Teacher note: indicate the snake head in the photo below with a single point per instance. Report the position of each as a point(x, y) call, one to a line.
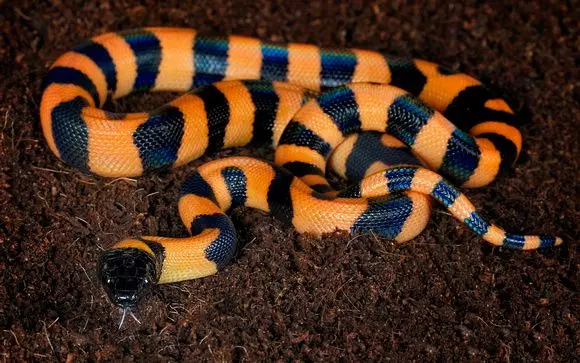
point(127, 274)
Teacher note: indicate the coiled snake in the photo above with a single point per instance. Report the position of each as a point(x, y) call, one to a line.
point(247, 91)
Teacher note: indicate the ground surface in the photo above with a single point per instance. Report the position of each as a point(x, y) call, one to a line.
point(444, 296)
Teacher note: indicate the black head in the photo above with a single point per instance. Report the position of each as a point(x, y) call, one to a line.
point(127, 274)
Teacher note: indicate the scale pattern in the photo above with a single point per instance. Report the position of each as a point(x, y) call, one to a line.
point(391, 126)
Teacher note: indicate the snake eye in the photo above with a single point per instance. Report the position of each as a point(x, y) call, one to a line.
point(127, 274)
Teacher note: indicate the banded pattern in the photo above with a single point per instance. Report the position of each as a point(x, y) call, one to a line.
point(393, 203)
point(241, 91)
point(322, 124)
point(173, 59)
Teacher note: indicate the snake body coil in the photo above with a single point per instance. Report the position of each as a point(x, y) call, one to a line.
point(248, 91)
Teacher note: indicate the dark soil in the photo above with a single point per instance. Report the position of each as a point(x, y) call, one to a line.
point(444, 296)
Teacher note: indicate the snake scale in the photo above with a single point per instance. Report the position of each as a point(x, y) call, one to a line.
point(393, 127)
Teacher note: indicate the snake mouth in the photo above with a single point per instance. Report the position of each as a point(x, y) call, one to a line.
point(127, 275)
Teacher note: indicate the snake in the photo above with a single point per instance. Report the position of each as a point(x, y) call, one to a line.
point(402, 131)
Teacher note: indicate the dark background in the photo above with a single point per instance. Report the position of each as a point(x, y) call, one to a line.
point(446, 295)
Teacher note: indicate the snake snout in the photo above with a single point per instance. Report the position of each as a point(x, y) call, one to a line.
point(127, 274)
